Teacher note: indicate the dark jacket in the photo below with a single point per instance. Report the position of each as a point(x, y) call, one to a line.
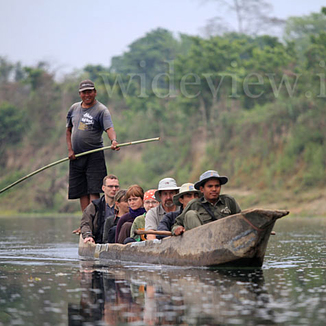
point(92, 222)
point(167, 222)
point(124, 218)
point(110, 226)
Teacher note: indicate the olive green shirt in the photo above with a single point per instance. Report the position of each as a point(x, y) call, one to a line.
point(225, 206)
point(138, 224)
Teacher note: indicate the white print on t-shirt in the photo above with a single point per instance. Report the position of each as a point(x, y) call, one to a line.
point(87, 119)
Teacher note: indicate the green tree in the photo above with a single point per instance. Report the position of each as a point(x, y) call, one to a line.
point(11, 125)
point(300, 29)
point(95, 71)
point(150, 56)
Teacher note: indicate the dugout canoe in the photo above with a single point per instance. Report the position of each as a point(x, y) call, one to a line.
point(238, 240)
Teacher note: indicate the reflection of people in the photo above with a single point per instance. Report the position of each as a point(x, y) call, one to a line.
point(167, 188)
point(152, 297)
point(86, 121)
point(150, 307)
point(92, 301)
point(95, 214)
point(212, 206)
point(187, 192)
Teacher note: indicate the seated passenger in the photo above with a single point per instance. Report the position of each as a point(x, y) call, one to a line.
point(187, 192)
point(121, 208)
point(167, 188)
point(135, 196)
point(95, 214)
point(139, 222)
point(150, 200)
point(211, 207)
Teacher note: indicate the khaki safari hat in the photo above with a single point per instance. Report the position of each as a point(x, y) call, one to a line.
point(86, 85)
point(185, 188)
point(165, 184)
point(209, 175)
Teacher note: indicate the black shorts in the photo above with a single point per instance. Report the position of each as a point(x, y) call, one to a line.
point(86, 175)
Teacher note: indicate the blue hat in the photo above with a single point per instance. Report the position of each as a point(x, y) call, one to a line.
point(210, 174)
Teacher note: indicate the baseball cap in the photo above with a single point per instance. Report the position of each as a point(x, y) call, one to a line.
point(85, 85)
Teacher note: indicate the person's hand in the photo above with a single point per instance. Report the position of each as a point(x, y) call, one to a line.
point(71, 154)
point(77, 231)
point(179, 230)
point(114, 145)
point(89, 239)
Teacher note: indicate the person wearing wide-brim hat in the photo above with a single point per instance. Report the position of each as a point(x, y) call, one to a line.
point(210, 174)
point(187, 193)
point(210, 207)
point(166, 189)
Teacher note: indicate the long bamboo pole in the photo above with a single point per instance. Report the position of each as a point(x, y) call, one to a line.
point(77, 155)
point(141, 232)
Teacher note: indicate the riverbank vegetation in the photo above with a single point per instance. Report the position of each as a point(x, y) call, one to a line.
point(252, 107)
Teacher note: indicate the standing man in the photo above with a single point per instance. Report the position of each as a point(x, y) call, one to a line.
point(211, 207)
point(86, 121)
point(96, 213)
point(167, 188)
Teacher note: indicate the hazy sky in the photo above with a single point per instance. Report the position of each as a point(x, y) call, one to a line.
point(70, 34)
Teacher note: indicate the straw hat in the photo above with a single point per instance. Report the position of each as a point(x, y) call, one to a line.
point(185, 188)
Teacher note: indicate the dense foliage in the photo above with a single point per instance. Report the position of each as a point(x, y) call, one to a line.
point(252, 107)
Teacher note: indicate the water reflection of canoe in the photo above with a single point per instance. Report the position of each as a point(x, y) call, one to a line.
point(236, 240)
point(168, 295)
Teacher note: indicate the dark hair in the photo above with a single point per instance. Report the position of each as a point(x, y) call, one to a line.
point(136, 191)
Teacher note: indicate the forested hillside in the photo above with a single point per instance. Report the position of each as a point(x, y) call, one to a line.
point(252, 107)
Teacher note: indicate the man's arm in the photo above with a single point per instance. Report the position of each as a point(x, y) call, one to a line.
point(237, 207)
point(150, 223)
point(86, 224)
point(178, 226)
point(166, 223)
point(113, 137)
point(71, 153)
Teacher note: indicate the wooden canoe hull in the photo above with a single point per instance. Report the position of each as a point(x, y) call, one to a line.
point(236, 240)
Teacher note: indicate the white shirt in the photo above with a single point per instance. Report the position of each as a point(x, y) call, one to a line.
point(153, 217)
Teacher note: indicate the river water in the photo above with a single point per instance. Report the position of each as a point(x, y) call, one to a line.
point(43, 282)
